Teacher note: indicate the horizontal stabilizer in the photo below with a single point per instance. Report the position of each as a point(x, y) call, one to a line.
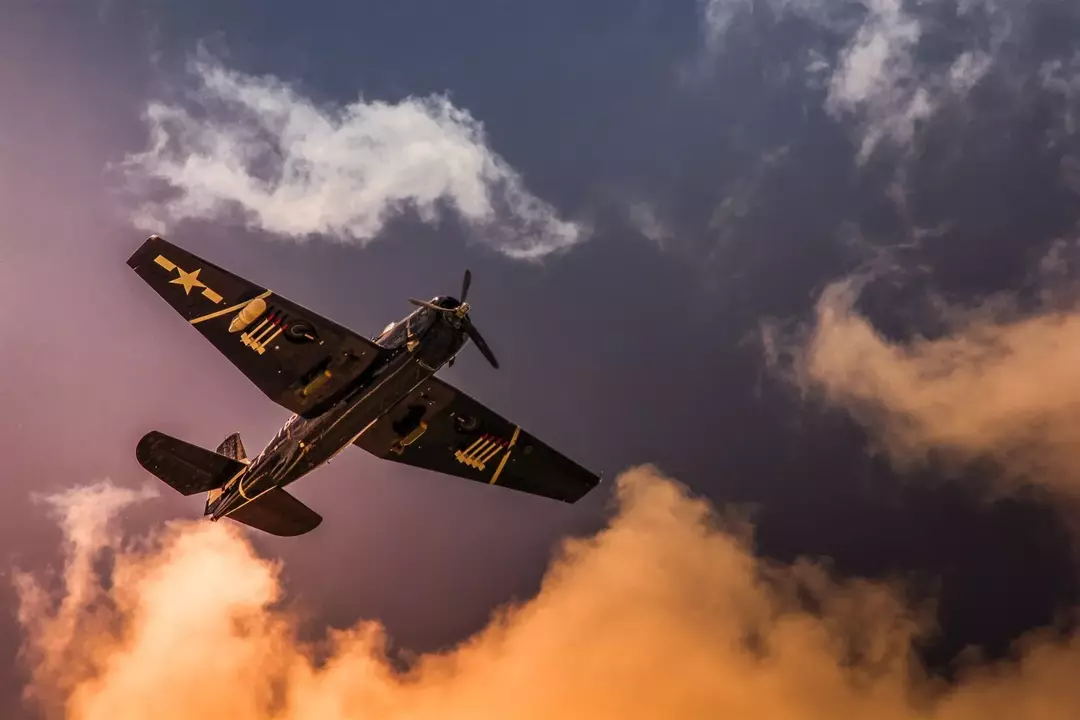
point(278, 513)
point(188, 469)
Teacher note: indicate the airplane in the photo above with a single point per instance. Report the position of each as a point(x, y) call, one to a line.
point(379, 394)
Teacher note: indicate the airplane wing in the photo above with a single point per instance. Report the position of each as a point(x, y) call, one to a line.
point(437, 427)
point(299, 359)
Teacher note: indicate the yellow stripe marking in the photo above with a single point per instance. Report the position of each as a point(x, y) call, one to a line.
point(165, 263)
point(491, 452)
point(463, 455)
point(228, 310)
point(249, 338)
point(262, 348)
point(212, 296)
point(473, 460)
point(264, 336)
point(259, 337)
point(502, 463)
point(249, 500)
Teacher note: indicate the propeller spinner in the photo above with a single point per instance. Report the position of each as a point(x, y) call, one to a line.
point(461, 310)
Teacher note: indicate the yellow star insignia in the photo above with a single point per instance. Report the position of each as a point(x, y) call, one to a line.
point(188, 279)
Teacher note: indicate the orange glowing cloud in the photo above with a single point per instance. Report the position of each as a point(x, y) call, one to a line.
point(1000, 386)
point(666, 613)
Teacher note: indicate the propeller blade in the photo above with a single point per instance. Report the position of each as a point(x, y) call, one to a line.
point(429, 306)
point(465, 283)
point(478, 340)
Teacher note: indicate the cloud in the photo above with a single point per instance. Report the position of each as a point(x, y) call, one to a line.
point(291, 167)
point(644, 218)
point(997, 384)
point(876, 80)
point(717, 17)
point(85, 515)
point(665, 613)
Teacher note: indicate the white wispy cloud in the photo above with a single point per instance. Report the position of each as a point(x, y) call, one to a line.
point(294, 168)
point(645, 218)
point(717, 17)
point(875, 79)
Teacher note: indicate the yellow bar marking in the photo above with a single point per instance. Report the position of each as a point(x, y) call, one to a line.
point(462, 455)
point(212, 296)
point(491, 452)
point(502, 463)
point(263, 331)
point(165, 263)
point(262, 348)
point(258, 342)
point(228, 310)
point(248, 338)
point(474, 459)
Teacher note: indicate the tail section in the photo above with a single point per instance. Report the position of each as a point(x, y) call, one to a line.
point(231, 447)
point(184, 467)
point(190, 470)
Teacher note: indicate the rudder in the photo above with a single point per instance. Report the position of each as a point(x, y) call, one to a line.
point(233, 447)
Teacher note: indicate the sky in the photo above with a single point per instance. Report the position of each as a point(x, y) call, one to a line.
point(800, 277)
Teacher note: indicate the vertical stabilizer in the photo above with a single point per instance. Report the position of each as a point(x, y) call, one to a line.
point(233, 447)
point(230, 447)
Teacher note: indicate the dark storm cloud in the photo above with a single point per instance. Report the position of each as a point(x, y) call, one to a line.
point(928, 94)
point(612, 353)
point(884, 67)
point(962, 115)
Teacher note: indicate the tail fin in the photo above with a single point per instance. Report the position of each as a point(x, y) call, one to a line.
point(231, 447)
point(186, 468)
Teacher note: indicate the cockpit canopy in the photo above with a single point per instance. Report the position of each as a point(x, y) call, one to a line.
point(397, 334)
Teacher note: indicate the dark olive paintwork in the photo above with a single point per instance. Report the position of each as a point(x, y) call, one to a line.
point(380, 394)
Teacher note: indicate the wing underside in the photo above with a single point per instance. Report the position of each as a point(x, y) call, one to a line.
point(437, 427)
point(299, 359)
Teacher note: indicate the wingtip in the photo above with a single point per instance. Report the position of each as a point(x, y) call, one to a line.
point(145, 448)
point(133, 261)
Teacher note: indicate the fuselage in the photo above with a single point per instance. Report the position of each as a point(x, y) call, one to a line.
point(416, 347)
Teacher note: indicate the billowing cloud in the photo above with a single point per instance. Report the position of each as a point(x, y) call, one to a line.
point(85, 516)
point(256, 147)
point(665, 613)
point(998, 384)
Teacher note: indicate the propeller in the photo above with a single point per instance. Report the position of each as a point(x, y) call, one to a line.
point(478, 340)
point(462, 312)
point(465, 283)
